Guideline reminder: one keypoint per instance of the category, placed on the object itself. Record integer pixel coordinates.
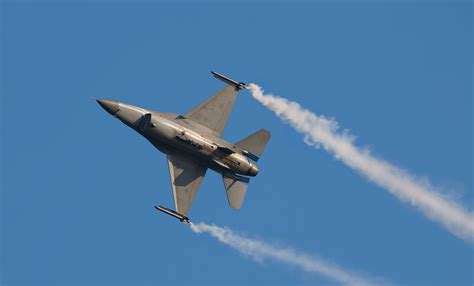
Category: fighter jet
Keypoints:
(192, 143)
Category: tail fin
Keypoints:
(235, 187)
(254, 144)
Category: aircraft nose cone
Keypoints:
(111, 106)
(253, 171)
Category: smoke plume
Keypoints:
(259, 251)
(319, 130)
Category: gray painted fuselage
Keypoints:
(171, 134)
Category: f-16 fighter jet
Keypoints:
(192, 142)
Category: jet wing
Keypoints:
(186, 177)
(214, 112)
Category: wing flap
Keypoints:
(254, 144)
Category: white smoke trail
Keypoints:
(260, 250)
(319, 130)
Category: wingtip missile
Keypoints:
(238, 85)
(181, 217)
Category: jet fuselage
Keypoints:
(173, 134)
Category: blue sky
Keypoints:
(78, 187)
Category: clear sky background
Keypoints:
(78, 187)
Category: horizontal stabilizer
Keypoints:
(236, 187)
(254, 144)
